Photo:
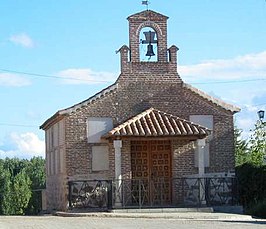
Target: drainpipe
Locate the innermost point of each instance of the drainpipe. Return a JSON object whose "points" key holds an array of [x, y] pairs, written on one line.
{"points": [[118, 172]]}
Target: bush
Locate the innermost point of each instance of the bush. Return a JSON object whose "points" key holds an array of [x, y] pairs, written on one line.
{"points": [[252, 188], [252, 184], [258, 210]]}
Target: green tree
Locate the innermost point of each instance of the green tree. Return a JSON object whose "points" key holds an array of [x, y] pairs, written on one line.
{"points": [[2, 185], [21, 192], [257, 142], [253, 150], [241, 148], [18, 178], [6, 202], [14, 165], [36, 172], [251, 169]]}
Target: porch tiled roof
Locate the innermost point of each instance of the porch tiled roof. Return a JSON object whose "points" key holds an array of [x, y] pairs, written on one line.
{"points": [[154, 123]]}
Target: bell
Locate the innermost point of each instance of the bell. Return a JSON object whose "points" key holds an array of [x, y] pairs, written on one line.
{"points": [[150, 51]]}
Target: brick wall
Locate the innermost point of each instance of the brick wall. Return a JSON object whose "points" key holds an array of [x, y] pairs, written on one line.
{"points": [[148, 19], [141, 85], [134, 97], [131, 98], [182, 165]]}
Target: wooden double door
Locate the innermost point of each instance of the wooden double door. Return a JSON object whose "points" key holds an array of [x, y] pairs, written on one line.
{"points": [[151, 166]]}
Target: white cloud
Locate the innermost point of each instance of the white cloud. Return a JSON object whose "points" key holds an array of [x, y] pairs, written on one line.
{"points": [[248, 117], [246, 121], [250, 96], [25, 145], [13, 80], [247, 66], [22, 39], [86, 76]]}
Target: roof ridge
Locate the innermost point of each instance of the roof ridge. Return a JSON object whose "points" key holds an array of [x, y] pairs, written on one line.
{"points": [[161, 124], [216, 101], [96, 96], [65, 111], [147, 12]]}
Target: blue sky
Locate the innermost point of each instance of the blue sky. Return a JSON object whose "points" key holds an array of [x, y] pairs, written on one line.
{"points": [[222, 52]]}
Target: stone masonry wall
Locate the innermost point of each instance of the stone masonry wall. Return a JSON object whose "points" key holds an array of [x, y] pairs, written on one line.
{"points": [[56, 179]]}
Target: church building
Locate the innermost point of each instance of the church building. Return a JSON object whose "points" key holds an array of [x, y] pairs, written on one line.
{"points": [[150, 135]]}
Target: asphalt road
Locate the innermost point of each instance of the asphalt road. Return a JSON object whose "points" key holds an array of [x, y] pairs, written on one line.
{"points": [[55, 222]]}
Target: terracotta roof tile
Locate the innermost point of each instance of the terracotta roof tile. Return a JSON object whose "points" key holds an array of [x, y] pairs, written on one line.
{"points": [[152, 122]]}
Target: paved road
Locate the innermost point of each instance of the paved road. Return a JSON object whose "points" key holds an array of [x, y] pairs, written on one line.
{"points": [[55, 222]]}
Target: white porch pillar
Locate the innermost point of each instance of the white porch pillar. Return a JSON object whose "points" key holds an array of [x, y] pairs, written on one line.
{"points": [[118, 171], [201, 144], [201, 166]]}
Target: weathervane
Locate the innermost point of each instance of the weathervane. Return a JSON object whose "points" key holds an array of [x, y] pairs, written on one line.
{"points": [[146, 3]]}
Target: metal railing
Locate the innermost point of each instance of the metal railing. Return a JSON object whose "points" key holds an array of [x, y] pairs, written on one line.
{"points": [[90, 194], [160, 192]]}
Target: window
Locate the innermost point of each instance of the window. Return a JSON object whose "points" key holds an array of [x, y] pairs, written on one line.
{"points": [[100, 158], [56, 160], [97, 127], [52, 137], [61, 159], [48, 163], [205, 121]]}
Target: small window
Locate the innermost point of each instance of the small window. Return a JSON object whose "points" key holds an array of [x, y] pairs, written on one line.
{"points": [[97, 127], [205, 121], [100, 158], [52, 136]]}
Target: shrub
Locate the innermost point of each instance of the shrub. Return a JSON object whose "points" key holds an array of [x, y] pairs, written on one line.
{"points": [[258, 210]]}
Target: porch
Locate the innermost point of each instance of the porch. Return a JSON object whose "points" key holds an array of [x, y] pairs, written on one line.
{"points": [[153, 151]]}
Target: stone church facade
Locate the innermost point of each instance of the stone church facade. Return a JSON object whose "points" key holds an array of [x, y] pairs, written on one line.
{"points": [[148, 125]]}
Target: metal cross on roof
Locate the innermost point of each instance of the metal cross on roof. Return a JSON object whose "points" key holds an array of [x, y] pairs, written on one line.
{"points": [[150, 38]]}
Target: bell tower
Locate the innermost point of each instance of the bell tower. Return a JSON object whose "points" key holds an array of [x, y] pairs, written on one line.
{"points": [[148, 32], [147, 56]]}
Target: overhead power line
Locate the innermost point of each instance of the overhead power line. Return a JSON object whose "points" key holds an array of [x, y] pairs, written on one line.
{"points": [[105, 81], [51, 76], [17, 125], [231, 81], [36, 126]]}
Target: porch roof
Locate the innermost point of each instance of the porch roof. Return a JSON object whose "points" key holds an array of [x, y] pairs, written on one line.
{"points": [[155, 123]]}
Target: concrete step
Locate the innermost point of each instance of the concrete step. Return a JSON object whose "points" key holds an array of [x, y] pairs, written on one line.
{"points": [[162, 210]]}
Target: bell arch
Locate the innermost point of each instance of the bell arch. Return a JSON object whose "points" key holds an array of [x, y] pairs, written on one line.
{"points": [[148, 48], [158, 27], [150, 24]]}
